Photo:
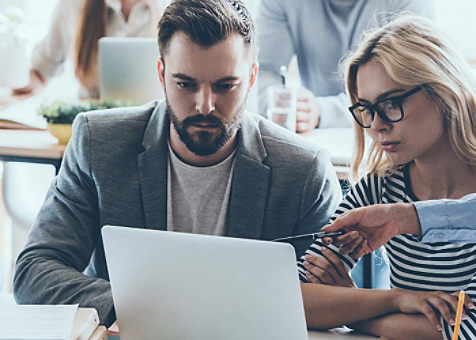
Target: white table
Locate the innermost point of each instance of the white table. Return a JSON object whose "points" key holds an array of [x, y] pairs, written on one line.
{"points": [[31, 146]]}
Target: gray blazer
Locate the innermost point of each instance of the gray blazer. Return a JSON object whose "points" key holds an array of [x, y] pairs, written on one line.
{"points": [[115, 172]]}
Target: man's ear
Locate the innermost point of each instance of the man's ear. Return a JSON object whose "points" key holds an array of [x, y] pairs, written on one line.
{"points": [[254, 73], [161, 68]]}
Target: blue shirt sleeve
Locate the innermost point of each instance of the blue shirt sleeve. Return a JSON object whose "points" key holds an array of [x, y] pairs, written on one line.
{"points": [[448, 220]]}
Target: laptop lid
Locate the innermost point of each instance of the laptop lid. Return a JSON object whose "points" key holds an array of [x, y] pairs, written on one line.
{"points": [[128, 69], [170, 285]]}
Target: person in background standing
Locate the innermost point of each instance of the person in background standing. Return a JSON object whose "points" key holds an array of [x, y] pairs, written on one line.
{"points": [[319, 33]]}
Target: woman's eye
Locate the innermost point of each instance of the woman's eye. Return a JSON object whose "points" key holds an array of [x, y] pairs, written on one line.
{"points": [[390, 105]]}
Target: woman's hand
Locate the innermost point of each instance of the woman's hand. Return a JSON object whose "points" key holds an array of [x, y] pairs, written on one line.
{"points": [[431, 304], [37, 82], [113, 329], [327, 270]]}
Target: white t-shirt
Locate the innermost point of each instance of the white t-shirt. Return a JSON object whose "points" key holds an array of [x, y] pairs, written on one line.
{"points": [[198, 197]]}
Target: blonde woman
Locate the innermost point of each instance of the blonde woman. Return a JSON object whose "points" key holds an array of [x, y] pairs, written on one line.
{"points": [[415, 97], [76, 28]]}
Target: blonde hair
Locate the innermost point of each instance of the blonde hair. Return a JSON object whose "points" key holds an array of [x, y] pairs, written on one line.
{"points": [[415, 53]]}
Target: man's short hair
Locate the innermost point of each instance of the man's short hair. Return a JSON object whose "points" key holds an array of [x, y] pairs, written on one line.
{"points": [[206, 22]]}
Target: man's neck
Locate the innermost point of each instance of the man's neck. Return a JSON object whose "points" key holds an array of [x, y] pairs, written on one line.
{"points": [[191, 158]]}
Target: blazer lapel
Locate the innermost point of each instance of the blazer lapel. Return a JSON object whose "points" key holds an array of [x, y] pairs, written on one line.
{"points": [[249, 190], [153, 169]]}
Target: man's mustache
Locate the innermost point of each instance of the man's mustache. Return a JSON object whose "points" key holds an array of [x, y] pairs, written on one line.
{"points": [[200, 118]]}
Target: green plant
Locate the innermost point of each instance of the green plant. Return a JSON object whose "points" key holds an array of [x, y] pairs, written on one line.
{"points": [[60, 112]]}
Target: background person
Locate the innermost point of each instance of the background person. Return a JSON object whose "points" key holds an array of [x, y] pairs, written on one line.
{"points": [[414, 95], [76, 28], [319, 33]]}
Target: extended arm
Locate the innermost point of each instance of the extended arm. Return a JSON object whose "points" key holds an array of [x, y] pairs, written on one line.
{"points": [[330, 306], [436, 221], [399, 326]]}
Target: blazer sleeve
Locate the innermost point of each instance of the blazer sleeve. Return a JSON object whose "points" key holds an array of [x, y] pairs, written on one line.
{"points": [[320, 197], [64, 235]]}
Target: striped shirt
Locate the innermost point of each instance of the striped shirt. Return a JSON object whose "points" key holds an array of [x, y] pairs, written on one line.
{"points": [[414, 265]]}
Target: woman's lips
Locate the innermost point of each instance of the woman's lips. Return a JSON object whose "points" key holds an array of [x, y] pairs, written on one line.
{"points": [[389, 146]]}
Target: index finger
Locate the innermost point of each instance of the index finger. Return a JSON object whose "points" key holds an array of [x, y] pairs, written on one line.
{"points": [[346, 220]]}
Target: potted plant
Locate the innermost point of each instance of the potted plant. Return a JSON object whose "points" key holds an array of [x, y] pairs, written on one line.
{"points": [[60, 115]]}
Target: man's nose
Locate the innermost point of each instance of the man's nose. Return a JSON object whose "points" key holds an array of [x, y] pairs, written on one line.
{"points": [[205, 100]]}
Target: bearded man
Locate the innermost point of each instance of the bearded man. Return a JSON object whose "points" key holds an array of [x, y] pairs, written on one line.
{"points": [[196, 162]]}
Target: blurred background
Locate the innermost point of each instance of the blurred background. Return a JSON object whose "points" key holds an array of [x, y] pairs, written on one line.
{"points": [[30, 20]]}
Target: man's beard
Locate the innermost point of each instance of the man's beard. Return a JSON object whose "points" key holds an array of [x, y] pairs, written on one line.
{"points": [[204, 143]]}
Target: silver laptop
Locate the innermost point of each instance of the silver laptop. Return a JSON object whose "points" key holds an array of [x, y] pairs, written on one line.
{"points": [[128, 69], [170, 285]]}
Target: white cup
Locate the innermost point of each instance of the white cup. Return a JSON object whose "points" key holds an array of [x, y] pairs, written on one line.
{"points": [[281, 107]]}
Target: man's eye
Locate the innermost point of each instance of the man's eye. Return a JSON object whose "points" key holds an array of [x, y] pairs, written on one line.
{"points": [[186, 85], [224, 87]]}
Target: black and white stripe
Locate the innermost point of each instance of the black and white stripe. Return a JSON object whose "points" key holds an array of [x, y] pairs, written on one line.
{"points": [[414, 265]]}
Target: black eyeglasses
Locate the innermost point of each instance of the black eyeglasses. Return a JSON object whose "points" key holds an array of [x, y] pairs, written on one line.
{"points": [[389, 109]]}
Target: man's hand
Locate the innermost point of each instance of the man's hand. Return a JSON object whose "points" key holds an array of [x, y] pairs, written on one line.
{"points": [[368, 228], [37, 82], [327, 270], [307, 111]]}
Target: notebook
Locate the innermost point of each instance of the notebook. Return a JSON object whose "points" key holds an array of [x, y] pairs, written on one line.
{"points": [[128, 69], [170, 285]]}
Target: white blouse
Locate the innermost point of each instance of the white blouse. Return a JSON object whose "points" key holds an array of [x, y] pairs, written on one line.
{"points": [[50, 54]]}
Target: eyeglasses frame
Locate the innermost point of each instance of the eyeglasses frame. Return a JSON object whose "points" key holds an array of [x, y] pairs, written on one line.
{"points": [[374, 108]]}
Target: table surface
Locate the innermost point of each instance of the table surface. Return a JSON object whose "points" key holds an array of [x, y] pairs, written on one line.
{"points": [[41, 144], [333, 334], [338, 333], [30, 143]]}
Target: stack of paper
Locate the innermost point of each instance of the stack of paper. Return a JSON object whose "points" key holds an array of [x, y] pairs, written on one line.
{"points": [[41, 322], [85, 323], [36, 322]]}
